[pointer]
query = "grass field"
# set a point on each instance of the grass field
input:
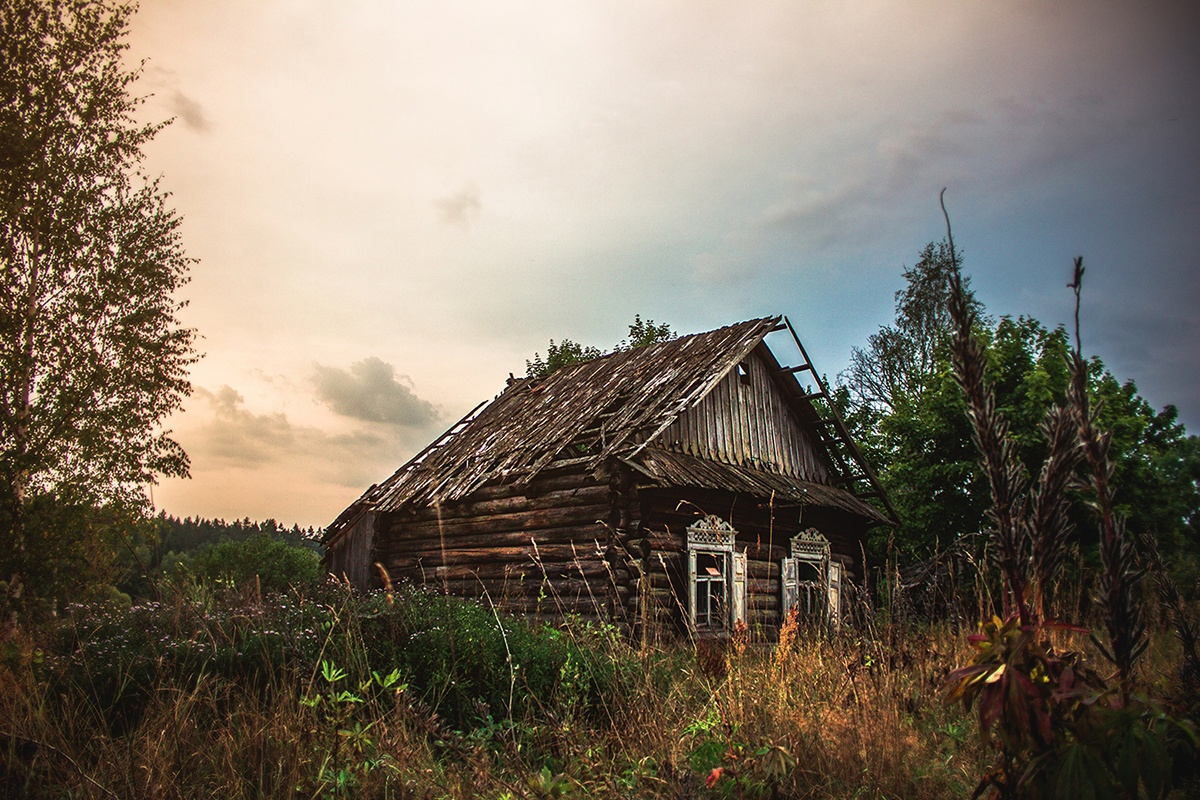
(324, 694)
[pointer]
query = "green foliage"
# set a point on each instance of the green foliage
(276, 565)
(903, 407)
(900, 359)
(181, 535)
(1061, 731)
(92, 354)
(470, 661)
(464, 660)
(559, 356)
(347, 750)
(1056, 726)
(641, 334)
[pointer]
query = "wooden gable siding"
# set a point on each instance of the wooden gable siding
(536, 548)
(746, 421)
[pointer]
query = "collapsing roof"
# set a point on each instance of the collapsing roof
(618, 407)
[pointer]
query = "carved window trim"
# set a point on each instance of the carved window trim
(814, 598)
(713, 540)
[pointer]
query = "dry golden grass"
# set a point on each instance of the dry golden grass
(842, 716)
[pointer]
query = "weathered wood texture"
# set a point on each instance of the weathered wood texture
(534, 421)
(542, 542)
(572, 493)
(764, 533)
(351, 556)
(745, 420)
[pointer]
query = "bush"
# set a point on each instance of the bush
(470, 662)
(462, 659)
(276, 564)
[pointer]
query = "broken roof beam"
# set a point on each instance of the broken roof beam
(841, 426)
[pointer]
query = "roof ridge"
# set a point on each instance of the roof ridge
(533, 424)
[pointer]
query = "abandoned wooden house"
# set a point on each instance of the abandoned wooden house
(687, 485)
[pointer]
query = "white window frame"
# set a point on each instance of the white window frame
(822, 598)
(715, 537)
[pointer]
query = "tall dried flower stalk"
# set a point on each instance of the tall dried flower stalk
(1006, 477)
(1030, 527)
(1122, 615)
(1049, 522)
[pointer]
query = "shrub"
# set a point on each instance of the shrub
(470, 662)
(275, 564)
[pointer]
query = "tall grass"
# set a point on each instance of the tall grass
(327, 694)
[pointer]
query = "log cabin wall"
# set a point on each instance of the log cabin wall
(537, 549)
(745, 420)
(763, 533)
(628, 547)
(350, 557)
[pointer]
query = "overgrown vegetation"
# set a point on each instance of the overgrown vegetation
(641, 334)
(904, 407)
(321, 693)
(154, 658)
(1057, 727)
(414, 694)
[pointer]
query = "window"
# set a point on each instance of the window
(716, 576)
(812, 580)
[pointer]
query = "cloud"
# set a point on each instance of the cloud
(370, 391)
(460, 208)
(232, 436)
(237, 436)
(191, 112)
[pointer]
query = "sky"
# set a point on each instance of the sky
(394, 204)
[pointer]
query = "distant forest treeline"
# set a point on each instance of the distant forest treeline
(187, 534)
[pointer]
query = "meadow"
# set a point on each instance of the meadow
(317, 692)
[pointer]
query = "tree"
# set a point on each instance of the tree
(641, 334)
(901, 359)
(559, 356)
(910, 421)
(93, 357)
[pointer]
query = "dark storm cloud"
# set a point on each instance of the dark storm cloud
(372, 392)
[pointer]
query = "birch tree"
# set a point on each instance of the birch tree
(93, 357)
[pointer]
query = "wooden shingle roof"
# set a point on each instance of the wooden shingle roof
(588, 413)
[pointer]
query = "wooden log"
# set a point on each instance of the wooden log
(762, 552)
(515, 570)
(499, 588)
(549, 480)
(763, 602)
(762, 587)
(584, 536)
(527, 520)
(762, 569)
(596, 494)
(550, 554)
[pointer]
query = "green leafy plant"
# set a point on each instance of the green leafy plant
(349, 752)
(1058, 728)
(260, 561)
